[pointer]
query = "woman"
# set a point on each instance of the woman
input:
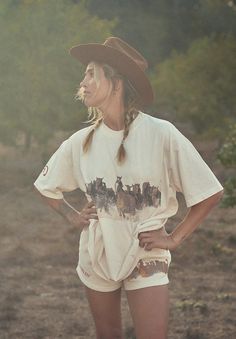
(130, 166)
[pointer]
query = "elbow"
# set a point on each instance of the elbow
(217, 197)
(37, 191)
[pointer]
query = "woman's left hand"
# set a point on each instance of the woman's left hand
(157, 239)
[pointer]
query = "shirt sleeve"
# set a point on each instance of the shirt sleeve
(58, 174)
(189, 173)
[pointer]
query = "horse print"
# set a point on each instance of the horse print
(148, 267)
(127, 200)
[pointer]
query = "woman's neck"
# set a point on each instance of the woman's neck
(113, 117)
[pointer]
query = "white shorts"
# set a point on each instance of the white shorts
(150, 271)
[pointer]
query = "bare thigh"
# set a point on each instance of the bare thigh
(106, 312)
(149, 309)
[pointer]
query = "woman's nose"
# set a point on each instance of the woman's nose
(83, 82)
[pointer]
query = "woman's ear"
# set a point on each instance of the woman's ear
(118, 85)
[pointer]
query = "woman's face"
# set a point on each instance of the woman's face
(95, 87)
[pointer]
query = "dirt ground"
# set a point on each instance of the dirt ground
(42, 297)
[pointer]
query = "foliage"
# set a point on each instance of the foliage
(200, 85)
(156, 27)
(38, 77)
(227, 156)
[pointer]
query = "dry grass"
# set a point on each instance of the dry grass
(41, 296)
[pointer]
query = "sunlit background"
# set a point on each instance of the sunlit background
(190, 46)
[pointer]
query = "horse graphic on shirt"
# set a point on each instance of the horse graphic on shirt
(102, 196)
(126, 200)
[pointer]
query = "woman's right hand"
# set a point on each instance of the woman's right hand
(78, 219)
(82, 219)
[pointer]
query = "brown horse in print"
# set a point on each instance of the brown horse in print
(138, 196)
(125, 202)
(156, 196)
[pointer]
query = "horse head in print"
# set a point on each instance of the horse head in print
(128, 189)
(136, 190)
(119, 184)
(90, 189)
(111, 196)
(146, 193)
(156, 196)
(125, 201)
(100, 185)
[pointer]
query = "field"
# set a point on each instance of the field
(42, 297)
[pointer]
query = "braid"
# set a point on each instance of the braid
(88, 140)
(129, 117)
(131, 113)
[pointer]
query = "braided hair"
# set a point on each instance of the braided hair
(131, 112)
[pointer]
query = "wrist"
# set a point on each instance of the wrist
(172, 244)
(174, 240)
(66, 210)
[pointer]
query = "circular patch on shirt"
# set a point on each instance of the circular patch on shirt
(45, 170)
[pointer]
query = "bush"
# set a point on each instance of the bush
(227, 156)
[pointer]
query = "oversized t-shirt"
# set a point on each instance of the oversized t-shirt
(137, 196)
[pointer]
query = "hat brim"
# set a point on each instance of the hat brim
(86, 53)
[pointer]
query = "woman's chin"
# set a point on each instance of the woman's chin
(90, 103)
(87, 102)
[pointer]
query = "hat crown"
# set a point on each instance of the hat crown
(124, 48)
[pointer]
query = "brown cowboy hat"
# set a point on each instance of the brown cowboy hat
(118, 54)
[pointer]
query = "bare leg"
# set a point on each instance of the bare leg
(106, 311)
(149, 309)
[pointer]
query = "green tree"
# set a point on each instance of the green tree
(200, 86)
(227, 156)
(38, 77)
(156, 27)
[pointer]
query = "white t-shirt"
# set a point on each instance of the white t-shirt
(130, 198)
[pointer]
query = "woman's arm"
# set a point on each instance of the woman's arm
(75, 218)
(194, 217)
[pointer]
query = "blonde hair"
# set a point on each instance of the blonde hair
(95, 115)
